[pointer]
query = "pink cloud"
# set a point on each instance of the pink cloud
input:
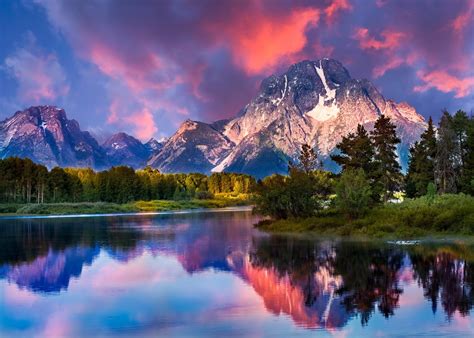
(141, 120)
(391, 63)
(39, 75)
(113, 116)
(137, 113)
(464, 18)
(145, 72)
(259, 41)
(445, 82)
(334, 8)
(143, 123)
(190, 63)
(390, 39)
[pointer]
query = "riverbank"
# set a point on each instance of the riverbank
(132, 207)
(441, 215)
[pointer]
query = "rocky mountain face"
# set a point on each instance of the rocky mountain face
(314, 102)
(123, 149)
(154, 145)
(45, 135)
(195, 147)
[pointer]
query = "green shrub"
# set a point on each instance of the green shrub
(353, 193)
(300, 194)
(445, 214)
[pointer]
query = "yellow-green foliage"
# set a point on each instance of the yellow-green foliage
(162, 205)
(219, 201)
(73, 208)
(24, 182)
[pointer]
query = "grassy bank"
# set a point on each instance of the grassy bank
(443, 215)
(219, 201)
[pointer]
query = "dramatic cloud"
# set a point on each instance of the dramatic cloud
(390, 39)
(391, 63)
(334, 8)
(163, 61)
(446, 83)
(143, 123)
(39, 75)
(259, 41)
(436, 51)
(465, 18)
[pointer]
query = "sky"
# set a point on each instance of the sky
(145, 66)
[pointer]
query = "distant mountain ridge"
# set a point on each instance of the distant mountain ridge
(45, 135)
(123, 149)
(314, 102)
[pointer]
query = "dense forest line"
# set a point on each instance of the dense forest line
(23, 181)
(441, 163)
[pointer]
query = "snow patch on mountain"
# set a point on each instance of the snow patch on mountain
(326, 108)
(324, 111)
(330, 93)
(224, 163)
(277, 101)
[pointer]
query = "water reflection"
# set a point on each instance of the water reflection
(317, 283)
(446, 274)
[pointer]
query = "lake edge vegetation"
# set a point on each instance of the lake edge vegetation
(29, 188)
(360, 200)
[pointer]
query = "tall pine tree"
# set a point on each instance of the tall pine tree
(422, 163)
(460, 123)
(467, 178)
(307, 160)
(446, 172)
(356, 151)
(387, 168)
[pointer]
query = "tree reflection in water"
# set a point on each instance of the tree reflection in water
(367, 274)
(446, 274)
(317, 283)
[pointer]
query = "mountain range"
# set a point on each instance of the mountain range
(314, 102)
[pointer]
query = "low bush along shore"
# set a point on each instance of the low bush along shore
(137, 206)
(441, 215)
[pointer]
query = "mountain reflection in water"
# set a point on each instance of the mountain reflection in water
(317, 283)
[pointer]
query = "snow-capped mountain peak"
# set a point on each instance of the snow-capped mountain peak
(314, 102)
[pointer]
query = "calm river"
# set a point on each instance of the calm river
(210, 274)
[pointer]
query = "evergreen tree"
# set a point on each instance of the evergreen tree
(446, 155)
(356, 151)
(387, 169)
(307, 160)
(422, 161)
(467, 178)
(460, 123)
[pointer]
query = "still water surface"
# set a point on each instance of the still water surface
(211, 274)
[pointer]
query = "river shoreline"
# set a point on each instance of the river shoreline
(445, 215)
(165, 212)
(85, 209)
